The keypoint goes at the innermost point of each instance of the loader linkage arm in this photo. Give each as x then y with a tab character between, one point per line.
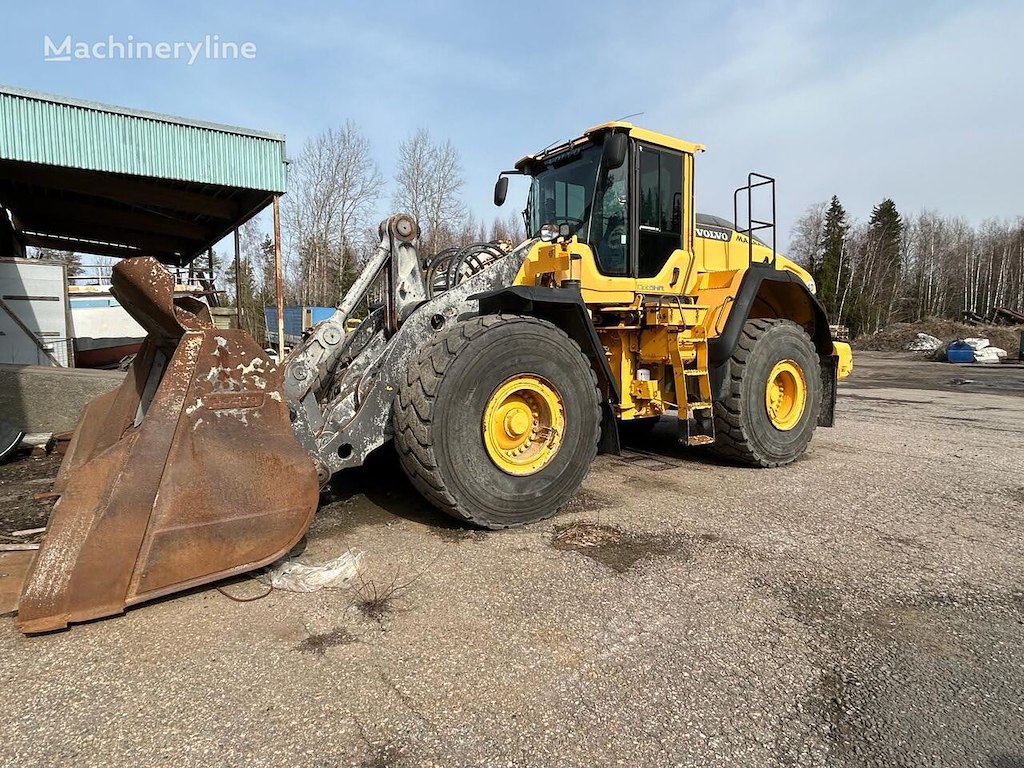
339	384
310	369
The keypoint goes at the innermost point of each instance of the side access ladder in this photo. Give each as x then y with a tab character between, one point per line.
700	420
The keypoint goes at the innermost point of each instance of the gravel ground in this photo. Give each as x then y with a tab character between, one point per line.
863	607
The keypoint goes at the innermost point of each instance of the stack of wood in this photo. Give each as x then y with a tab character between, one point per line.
19	541
44	443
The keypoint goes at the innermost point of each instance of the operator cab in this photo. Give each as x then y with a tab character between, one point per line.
619	189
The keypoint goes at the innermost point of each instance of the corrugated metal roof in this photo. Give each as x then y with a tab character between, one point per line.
54	130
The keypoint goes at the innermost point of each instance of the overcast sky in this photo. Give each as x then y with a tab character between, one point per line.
922	102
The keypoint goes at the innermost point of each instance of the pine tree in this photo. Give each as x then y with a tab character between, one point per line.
885	238
887	224
832	272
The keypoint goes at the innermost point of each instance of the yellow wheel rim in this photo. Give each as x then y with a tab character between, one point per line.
785	395
523	425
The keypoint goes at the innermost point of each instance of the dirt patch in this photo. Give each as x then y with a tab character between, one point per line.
584	501
806	602
20	479
1015	494
1011	600
831	698
896	337
458	534
319	643
620	550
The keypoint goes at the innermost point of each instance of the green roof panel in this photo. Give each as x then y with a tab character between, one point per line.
54	130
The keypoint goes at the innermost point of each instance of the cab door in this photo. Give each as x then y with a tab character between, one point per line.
638	225
658	213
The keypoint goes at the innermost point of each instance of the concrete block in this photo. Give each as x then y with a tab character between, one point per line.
42	399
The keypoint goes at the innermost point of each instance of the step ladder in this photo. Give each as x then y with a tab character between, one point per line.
699	426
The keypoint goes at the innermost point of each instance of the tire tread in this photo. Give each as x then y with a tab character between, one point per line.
415	407
732	440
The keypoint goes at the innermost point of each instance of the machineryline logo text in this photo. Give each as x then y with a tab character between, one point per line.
210	48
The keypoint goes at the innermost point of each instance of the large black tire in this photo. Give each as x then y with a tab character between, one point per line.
438	417
744	431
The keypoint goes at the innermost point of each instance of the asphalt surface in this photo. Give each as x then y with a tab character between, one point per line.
863	607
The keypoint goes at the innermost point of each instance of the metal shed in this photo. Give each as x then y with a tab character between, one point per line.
94	178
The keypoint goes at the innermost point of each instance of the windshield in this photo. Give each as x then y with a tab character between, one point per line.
564	192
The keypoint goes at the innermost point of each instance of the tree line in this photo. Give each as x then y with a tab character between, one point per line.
337	194
890	268
330	215
894	268
329	218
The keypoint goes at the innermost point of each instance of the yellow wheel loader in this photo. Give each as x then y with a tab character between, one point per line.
498	372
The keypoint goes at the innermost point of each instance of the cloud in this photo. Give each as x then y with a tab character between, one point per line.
926	113
918	101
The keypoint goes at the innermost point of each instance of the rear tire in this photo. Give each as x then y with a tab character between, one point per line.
745	430
443	403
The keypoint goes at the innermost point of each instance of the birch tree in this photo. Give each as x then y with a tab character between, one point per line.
335	185
428	186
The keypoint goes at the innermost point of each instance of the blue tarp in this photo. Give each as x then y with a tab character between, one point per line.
296	320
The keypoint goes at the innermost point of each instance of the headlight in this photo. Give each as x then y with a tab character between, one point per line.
550	232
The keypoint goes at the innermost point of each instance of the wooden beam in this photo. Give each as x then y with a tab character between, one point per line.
100	249
34	210
114	186
76	229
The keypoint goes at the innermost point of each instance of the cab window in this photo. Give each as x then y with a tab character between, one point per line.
610	223
568	204
660	188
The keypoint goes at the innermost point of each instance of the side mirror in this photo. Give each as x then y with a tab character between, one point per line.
500	190
615	147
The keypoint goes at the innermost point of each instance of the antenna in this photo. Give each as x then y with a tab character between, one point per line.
549	146
635	114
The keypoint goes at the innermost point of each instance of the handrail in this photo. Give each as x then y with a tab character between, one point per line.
755	225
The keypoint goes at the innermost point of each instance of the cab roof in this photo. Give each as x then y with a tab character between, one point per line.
643	134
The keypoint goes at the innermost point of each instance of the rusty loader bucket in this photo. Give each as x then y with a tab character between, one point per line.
187	473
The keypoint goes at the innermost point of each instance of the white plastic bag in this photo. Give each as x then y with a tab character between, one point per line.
989	355
976	343
924	342
292	575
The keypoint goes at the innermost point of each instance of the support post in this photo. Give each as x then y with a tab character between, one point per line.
209	279
238	281
278	281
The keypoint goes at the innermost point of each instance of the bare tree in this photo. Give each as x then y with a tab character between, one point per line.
805	243
253	291
429	181
335	186
516	227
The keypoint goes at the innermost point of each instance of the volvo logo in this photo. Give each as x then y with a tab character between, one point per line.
714	234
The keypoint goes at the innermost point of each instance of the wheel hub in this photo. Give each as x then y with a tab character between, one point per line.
785	396
523	423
